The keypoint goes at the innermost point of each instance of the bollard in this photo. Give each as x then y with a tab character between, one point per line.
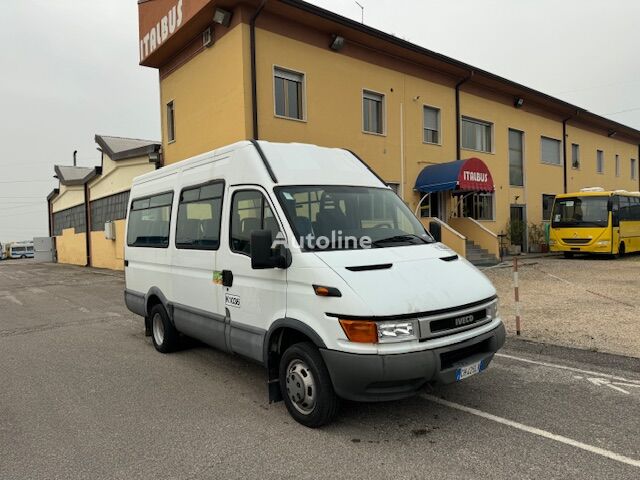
517	294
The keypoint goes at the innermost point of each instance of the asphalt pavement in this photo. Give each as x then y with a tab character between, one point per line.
83	394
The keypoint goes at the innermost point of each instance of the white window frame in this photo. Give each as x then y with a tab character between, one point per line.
524	170
171	122
291	71
599	156
542	160
383	113
439	110
485	122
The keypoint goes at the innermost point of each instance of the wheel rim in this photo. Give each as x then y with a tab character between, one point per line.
301	386
158	329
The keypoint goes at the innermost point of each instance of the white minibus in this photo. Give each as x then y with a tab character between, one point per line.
300	258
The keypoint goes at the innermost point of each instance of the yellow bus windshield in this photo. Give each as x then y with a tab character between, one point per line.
587	211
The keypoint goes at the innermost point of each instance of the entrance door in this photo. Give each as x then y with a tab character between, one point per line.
438	206
518	234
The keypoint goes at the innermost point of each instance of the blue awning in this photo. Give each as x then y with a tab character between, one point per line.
470	175
440	177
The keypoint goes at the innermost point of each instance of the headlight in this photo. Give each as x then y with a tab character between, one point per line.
603	243
492	310
394	331
552	242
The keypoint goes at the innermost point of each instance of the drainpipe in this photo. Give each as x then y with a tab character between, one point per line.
87	221
637	172
458	85
564	149
254	81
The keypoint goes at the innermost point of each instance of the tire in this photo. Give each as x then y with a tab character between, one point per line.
621	250
568	254
164	335
306	386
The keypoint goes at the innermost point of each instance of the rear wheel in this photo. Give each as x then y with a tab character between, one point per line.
163	333
306	386
568	254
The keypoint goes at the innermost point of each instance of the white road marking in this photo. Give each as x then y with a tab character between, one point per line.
536	431
565	367
606	382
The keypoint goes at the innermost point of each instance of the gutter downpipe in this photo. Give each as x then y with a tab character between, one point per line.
458	85
87	221
564	150
254	81
637	172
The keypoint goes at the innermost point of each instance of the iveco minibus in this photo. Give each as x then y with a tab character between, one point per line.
300	258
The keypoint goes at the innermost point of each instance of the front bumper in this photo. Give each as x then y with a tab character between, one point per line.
370	378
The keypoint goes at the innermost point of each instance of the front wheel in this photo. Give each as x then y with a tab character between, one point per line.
306	386
621	250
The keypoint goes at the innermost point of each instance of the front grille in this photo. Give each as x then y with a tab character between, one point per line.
457	321
576	241
449	359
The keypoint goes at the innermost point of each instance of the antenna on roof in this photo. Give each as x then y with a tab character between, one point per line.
75	153
361	10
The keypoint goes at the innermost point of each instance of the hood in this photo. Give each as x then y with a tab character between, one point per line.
417	281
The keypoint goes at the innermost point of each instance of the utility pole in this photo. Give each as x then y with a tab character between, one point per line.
361	11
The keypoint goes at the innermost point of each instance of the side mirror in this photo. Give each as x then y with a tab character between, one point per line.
435	229
263	256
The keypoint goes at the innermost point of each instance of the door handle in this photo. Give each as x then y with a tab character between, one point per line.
227	278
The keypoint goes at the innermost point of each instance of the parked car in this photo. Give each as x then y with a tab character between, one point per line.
300	258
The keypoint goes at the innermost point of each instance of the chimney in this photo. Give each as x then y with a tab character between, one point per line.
75	152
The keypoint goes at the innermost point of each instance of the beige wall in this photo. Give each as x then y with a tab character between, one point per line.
108	253
71	247
68	197
118	176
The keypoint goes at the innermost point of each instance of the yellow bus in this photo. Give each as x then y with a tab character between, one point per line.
595	221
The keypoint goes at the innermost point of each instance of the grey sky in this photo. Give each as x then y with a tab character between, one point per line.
70	71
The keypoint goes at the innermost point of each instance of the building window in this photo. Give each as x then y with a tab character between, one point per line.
477	135
289	93
550	151
149	221
575	156
73	217
108	209
478	206
600	161
516	158
373	112
617	165
547	206
431	123
199	213
250	211
633	169
171	122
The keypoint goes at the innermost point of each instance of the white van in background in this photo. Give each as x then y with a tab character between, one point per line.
302	259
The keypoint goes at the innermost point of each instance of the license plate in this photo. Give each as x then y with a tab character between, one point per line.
469	370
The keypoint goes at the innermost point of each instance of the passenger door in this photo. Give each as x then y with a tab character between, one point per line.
254	298
196	243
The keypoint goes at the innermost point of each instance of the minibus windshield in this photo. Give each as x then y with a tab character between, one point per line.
344	217
587	211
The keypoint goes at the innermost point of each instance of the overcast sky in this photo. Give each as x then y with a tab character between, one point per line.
70	70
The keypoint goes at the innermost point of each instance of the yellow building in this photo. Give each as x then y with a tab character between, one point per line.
289	71
98	197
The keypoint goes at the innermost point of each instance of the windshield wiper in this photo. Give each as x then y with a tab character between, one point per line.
409	237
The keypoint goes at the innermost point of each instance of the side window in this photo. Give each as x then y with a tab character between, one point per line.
149	221
199	212
249	211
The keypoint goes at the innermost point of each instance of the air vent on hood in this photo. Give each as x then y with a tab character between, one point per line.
363	268
449	259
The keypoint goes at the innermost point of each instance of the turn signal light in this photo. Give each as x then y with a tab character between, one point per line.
360	331
323	291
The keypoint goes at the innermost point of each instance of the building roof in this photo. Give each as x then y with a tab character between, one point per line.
69	175
121	148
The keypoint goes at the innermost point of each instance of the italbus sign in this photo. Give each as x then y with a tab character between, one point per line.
166	26
474	176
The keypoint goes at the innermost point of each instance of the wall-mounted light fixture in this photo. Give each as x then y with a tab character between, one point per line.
337	43
222	17
612	133
518	102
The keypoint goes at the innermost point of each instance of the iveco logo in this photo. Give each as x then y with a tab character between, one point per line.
466	320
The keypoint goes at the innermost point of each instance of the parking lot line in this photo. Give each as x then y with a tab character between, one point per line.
566	367
535	431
